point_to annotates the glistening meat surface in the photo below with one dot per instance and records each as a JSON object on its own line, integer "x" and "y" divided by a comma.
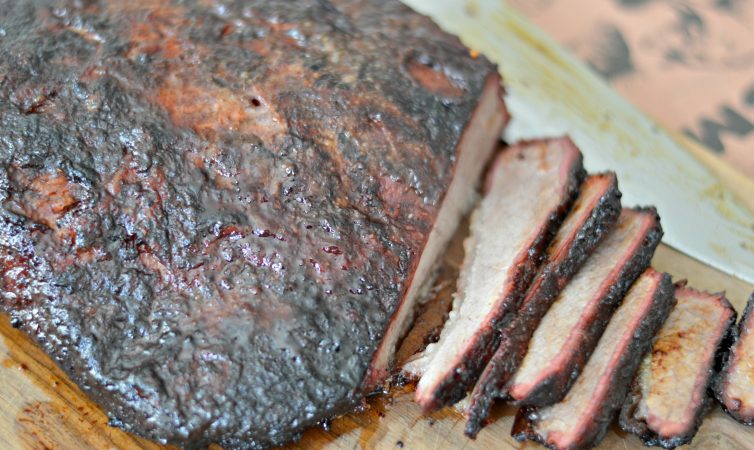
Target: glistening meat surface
{"x": 215, "y": 216}
{"x": 527, "y": 194}
{"x": 669, "y": 395}
{"x": 735, "y": 389}
{"x": 566, "y": 336}
{"x": 592, "y": 217}
{"x": 582, "y": 418}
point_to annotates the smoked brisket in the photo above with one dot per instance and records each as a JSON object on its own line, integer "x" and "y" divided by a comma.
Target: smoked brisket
{"x": 528, "y": 192}
{"x": 670, "y": 395}
{"x": 216, "y": 216}
{"x": 571, "y": 328}
{"x": 592, "y": 217}
{"x": 582, "y": 418}
{"x": 735, "y": 389}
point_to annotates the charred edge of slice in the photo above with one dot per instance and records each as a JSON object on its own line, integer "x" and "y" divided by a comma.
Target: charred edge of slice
{"x": 456, "y": 384}
{"x": 568, "y": 259}
{"x": 604, "y": 215}
{"x": 630, "y": 424}
{"x": 739, "y": 334}
{"x": 554, "y": 388}
{"x": 620, "y": 376}
{"x": 457, "y": 202}
{"x": 523, "y": 427}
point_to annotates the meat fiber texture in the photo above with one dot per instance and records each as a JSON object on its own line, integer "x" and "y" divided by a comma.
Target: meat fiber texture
{"x": 569, "y": 332}
{"x": 582, "y": 418}
{"x": 593, "y": 215}
{"x": 213, "y": 214}
{"x": 528, "y": 192}
{"x": 735, "y": 388}
{"x": 670, "y": 394}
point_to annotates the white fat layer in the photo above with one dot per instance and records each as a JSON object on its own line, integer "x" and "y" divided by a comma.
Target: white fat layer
{"x": 563, "y": 422}
{"x": 564, "y": 325}
{"x": 671, "y": 376}
{"x": 480, "y": 139}
{"x": 526, "y": 186}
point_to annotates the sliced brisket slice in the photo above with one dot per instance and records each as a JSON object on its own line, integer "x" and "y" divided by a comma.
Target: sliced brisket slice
{"x": 478, "y": 141}
{"x": 669, "y": 395}
{"x": 582, "y": 418}
{"x": 216, "y": 216}
{"x": 735, "y": 389}
{"x": 528, "y": 192}
{"x": 572, "y": 326}
{"x": 595, "y": 212}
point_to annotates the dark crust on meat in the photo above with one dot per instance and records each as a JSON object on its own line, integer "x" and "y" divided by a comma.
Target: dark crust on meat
{"x": 630, "y": 361}
{"x": 523, "y": 427}
{"x": 554, "y": 388}
{"x": 455, "y": 387}
{"x": 241, "y": 190}
{"x": 736, "y": 334}
{"x": 630, "y": 424}
{"x": 550, "y": 281}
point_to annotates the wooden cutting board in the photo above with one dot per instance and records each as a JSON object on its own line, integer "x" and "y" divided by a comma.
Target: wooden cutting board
{"x": 40, "y": 408}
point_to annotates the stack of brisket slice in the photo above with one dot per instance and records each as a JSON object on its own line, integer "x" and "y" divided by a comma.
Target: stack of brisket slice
{"x": 558, "y": 311}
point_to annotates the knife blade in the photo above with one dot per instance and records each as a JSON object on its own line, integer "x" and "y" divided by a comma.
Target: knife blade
{"x": 550, "y": 92}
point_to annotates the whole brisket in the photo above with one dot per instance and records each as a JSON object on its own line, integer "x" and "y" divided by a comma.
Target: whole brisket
{"x": 216, "y": 216}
